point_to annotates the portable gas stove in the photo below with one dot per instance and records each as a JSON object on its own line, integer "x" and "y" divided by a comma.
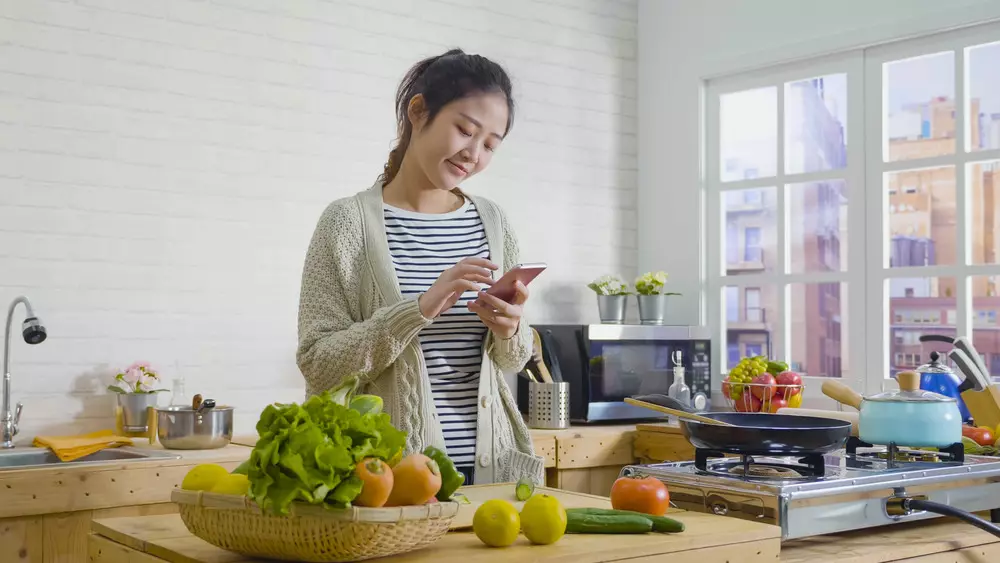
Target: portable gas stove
{"x": 858, "y": 487}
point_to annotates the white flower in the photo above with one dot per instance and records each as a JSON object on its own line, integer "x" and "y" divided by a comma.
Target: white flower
{"x": 146, "y": 383}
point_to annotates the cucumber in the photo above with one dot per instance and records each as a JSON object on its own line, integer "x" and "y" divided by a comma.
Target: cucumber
{"x": 577, "y": 523}
{"x": 660, "y": 523}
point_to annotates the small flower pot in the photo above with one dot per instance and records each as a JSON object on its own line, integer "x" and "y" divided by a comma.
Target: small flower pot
{"x": 652, "y": 309}
{"x": 612, "y": 308}
{"x": 134, "y": 410}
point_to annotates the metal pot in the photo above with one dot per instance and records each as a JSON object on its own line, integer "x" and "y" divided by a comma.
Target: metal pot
{"x": 908, "y": 417}
{"x": 188, "y": 428}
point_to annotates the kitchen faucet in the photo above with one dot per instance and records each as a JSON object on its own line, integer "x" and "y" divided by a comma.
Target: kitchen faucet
{"x": 33, "y": 333}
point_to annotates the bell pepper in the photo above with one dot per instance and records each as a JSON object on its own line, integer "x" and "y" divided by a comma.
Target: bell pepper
{"x": 451, "y": 478}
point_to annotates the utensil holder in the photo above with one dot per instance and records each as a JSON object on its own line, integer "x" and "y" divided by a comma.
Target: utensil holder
{"x": 548, "y": 405}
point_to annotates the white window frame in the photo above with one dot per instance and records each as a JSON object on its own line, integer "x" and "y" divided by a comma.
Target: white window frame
{"x": 716, "y": 280}
{"x": 867, "y": 274}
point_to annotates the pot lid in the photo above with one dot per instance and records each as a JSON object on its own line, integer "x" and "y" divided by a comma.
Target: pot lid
{"x": 909, "y": 392}
{"x": 935, "y": 365}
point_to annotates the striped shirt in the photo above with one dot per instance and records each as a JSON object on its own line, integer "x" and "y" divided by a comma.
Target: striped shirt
{"x": 422, "y": 246}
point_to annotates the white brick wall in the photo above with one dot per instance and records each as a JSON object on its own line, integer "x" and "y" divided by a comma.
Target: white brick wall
{"x": 162, "y": 166}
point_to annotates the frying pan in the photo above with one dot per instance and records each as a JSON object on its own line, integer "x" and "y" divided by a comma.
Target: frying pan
{"x": 759, "y": 433}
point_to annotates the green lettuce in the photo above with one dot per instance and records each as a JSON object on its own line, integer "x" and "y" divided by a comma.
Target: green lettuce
{"x": 308, "y": 452}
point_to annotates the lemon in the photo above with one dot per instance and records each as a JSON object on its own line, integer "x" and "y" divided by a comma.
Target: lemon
{"x": 203, "y": 477}
{"x": 543, "y": 519}
{"x": 795, "y": 401}
{"x": 232, "y": 484}
{"x": 496, "y": 523}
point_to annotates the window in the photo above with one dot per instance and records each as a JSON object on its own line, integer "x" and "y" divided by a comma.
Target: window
{"x": 732, "y": 305}
{"x": 870, "y": 180}
{"x": 753, "y": 350}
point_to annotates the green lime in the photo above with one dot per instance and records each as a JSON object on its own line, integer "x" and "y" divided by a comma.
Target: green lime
{"x": 525, "y": 488}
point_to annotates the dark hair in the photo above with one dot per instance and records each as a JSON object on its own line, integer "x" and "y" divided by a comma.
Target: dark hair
{"x": 442, "y": 80}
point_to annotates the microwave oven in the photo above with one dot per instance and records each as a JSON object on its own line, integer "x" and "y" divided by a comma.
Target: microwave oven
{"x": 604, "y": 364}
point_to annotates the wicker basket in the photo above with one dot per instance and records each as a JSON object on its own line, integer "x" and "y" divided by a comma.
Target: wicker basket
{"x": 311, "y": 533}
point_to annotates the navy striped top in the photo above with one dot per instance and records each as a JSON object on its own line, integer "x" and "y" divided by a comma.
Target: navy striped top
{"x": 422, "y": 246}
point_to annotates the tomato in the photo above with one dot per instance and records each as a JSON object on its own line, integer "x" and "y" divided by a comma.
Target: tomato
{"x": 763, "y": 387}
{"x": 416, "y": 478}
{"x": 776, "y": 404}
{"x": 982, "y": 436}
{"x": 376, "y": 482}
{"x": 647, "y": 495}
{"x": 748, "y": 403}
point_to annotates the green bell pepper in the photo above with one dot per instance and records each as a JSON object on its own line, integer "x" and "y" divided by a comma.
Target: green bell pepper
{"x": 451, "y": 478}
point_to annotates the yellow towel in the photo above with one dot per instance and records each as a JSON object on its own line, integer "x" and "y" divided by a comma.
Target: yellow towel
{"x": 69, "y": 448}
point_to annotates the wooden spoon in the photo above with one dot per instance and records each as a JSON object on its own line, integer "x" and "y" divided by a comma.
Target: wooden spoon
{"x": 675, "y": 412}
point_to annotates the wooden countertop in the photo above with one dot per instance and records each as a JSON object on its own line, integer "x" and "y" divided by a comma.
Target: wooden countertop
{"x": 69, "y": 488}
{"x": 707, "y": 539}
{"x": 165, "y": 539}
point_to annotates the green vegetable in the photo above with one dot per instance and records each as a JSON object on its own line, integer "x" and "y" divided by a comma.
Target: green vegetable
{"x": 971, "y": 446}
{"x": 242, "y": 468}
{"x": 365, "y": 404}
{"x": 577, "y": 523}
{"x": 524, "y": 489}
{"x": 308, "y": 452}
{"x": 660, "y": 523}
{"x": 451, "y": 478}
{"x": 774, "y": 368}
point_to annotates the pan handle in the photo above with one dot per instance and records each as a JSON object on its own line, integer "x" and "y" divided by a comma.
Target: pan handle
{"x": 842, "y": 394}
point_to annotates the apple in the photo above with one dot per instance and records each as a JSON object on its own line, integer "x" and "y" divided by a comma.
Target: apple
{"x": 748, "y": 403}
{"x": 789, "y": 378}
{"x": 777, "y": 403}
{"x": 763, "y": 386}
{"x": 727, "y": 387}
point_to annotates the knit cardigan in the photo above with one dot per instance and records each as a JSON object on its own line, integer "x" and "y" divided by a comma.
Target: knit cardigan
{"x": 353, "y": 320}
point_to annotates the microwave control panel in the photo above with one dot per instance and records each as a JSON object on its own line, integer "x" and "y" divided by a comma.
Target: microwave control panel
{"x": 699, "y": 376}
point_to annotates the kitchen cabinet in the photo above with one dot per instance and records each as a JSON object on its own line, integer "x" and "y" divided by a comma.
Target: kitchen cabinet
{"x": 45, "y": 513}
{"x": 659, "y": 443}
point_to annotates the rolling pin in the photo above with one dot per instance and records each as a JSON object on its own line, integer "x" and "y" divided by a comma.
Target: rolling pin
{"x": 852, "y": 417}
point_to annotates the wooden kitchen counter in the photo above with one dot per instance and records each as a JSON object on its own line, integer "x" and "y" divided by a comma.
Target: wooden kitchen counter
{"x": 707, "y": 539}
{"x": 45, "y": 512}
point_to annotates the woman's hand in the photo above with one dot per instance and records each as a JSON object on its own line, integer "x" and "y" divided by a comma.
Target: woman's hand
{"x": 499, "y": 316}
{"x": 467, "y": 275}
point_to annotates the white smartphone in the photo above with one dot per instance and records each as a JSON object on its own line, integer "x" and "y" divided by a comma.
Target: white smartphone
{"x": 524, "y": 273}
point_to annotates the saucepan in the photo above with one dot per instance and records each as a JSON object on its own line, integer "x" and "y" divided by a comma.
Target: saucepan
{"x": 201, "y": 426}
{"x": 907, "y": 417}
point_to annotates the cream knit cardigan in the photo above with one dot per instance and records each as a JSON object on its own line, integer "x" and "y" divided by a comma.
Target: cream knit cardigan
{"x": 354, "y": 320}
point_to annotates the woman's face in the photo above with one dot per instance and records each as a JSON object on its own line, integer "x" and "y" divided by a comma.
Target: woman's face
{"x": 461, "y": 139}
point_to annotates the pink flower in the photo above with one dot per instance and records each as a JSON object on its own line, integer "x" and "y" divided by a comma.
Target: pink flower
{"x": 146, "y": 383}
{"x": 132, "y": 376}
{"x": 137, "y": 365}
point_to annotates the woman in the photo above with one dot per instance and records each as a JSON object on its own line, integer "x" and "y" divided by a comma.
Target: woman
{"x": 392, "y": 279}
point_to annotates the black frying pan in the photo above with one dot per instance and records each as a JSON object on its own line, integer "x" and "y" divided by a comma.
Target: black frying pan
{"x": 758, "y": 433}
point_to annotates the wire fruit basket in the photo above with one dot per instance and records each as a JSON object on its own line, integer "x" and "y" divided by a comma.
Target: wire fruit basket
{"x": 762, "y": 397}
{"x": 311, "y": 533}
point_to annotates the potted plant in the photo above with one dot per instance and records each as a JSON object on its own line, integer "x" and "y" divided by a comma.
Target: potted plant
{"x": 136, "y": 387}
{"x": 652, "y": 298}
{"x": 612, "y": 298}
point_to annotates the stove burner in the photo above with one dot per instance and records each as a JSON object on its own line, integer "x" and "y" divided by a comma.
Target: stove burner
{"x": 765, "y": 471}
{"x": 952, "y": 453}
{"x": 811, "y": 466}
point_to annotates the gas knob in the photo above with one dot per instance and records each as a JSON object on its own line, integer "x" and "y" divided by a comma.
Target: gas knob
{"x": 720, "y": 509}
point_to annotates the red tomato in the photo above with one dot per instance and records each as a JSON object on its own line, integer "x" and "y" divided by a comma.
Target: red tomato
{"x": 792, "y": 379}
{"x": 647, "y": 495}
{"x": 727, "y": 388}
{"x": 982, "y": 436}
{"x": 777, "y": 403}
{"x": 748, "y": 403}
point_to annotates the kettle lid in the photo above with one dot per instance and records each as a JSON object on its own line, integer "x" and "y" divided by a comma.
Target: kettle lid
{"x": 935, "y": 365}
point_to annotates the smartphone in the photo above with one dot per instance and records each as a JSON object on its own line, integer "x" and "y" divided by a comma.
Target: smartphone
{"x": 524, "y": 273}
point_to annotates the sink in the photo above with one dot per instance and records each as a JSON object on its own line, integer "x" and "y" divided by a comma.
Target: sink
{"x": 20, "y": 458}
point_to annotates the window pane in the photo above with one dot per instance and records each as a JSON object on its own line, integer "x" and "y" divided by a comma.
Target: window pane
{"x": 984, "y": 192}
{"x": 985, "y": 330}
{"x": 920, "y": 107}
{"x": 917, "y": 307}
{"x": 818, "y": 318}
{"x": 817, "y": 226}
{"x": 756, "y": 326}
{"x": 749, "y": 216}
{"x": 984, "y": 97}
{"x": 748, "y": 134}
{"x": 922, "y": 225}
{"x": 816, "y": 124}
